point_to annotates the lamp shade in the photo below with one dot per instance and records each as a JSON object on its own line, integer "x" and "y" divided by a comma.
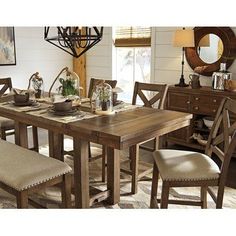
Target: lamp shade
{"x": 184, "y": 38}
{"x": 205, "y": 41}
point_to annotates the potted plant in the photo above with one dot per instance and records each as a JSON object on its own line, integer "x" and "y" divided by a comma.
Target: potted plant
{"x": 104, "y": 97}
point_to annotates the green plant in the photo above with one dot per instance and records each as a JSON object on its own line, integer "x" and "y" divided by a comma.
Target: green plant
{"x": 68, "y": 87}
{"x": 104, "y": 94}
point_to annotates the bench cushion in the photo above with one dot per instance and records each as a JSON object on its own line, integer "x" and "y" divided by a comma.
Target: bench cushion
{"x": 176, "y": 165}
{"x": 21, "y": 168}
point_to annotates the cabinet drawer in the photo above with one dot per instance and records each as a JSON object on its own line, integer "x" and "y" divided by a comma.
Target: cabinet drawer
{"x": 178, "y": 102}
{"x": 206, "y": 105}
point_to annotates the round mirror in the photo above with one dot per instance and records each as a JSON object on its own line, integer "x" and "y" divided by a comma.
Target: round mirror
{"x": 221, "y": 49}
{"x": 210, "y": 48}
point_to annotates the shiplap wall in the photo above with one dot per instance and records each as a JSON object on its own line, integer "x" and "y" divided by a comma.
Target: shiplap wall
{"x": 99, "y": 58}
{"x": 33, "y": 54}
{"x": 166, "y": 59}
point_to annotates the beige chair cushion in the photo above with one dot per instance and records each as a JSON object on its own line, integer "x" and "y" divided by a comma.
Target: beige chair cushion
{"x": 185, "y": 165}
{"x": 4, "y": 122}
{"x": 21, "y": 168}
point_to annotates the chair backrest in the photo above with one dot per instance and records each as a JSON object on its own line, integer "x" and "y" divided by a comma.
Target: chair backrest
{"x": 222, "y": 137}
{"x": 5, "y": 83}
{"x": 160, "y": 96}
{"x": 94, "y": 82}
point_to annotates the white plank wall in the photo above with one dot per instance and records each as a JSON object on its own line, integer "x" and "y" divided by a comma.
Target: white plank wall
{"x": 33, "y": 54}
{"x": 166, "y": 59}
{"x": 99, "y": 58}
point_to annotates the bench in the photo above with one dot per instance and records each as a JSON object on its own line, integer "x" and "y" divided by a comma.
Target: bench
{"x": 23, "y": 172}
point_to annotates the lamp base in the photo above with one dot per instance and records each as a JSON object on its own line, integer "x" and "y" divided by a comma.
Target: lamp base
{"x": 181, "y": 83}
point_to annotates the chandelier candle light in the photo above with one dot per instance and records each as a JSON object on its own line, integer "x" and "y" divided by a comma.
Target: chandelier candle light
{"x": 183, "y": 38}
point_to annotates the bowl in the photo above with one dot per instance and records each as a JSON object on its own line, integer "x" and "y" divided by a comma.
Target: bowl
{"x": 208, "y": 121}
{"x": 63, "y": 106}
{"x": 21, "y": 98}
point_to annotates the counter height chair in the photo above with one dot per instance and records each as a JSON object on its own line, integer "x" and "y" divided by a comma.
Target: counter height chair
{"x": 7, "y": 125}
{"x": 158, "y": 94}
{"x": 93, "y": 83}
{"x": 192, "y": 169}
{"x": 103, "y": 155}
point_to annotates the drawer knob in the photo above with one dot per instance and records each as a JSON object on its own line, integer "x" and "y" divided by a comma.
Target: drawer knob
{"x": 214, "y": 110}
{"x": 188, "y": 102}
{"x": 196, "y": 108}
{"x": 196, "y": 99}
{"x": 214, "y": 100}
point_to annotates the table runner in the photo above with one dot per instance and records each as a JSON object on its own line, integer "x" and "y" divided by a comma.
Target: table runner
{"x": 41, "y": 110}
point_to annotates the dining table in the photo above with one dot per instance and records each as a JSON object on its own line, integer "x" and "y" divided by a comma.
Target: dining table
{"x": 126, "y": 128}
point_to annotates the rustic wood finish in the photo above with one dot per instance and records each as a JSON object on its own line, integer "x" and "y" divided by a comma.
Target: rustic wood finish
{"x": 228, "y": 38}
{"x": 200, "y": 102}
{"x": 117, "y": 132}
{"x": 221, "y": 126}
{"x": 79, "y": 67}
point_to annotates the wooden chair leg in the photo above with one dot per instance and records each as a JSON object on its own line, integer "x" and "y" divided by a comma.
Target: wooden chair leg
{"x": 3, "y": 134}
{"x": 165, "y": 195}
{"x": 89, "y": 150}
{"x": 104, "y": 163}
{"x": 220, "y": 196}
{"x": 22, "y": 199}
{"x": 204, "y": 197}
{"x": 66, "y": 191}
{"x": 153, "y": 201}
{"x": 35, "y": 138}
{"x": 156, "y": 144}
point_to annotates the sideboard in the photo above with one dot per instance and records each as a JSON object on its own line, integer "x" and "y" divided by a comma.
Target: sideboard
{"x": 202, "y": 102}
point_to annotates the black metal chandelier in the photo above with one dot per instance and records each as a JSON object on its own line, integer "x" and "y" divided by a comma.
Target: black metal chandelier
{"x": 70, "y": 39}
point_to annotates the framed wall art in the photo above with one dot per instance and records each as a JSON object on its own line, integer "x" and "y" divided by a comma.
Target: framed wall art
{"x": 7, "y": 46}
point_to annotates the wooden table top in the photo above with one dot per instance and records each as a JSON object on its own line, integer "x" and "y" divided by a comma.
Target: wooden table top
{"x": 119, "y": 130}
{"x": 125, "y": 128}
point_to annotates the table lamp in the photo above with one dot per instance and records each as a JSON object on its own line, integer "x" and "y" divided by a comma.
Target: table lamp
{"x": 183, "y": 38}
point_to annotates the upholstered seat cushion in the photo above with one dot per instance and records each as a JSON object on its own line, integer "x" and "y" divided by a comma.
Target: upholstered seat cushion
{"x": 21, "y": 168}
{"x": 185, "y": 165}
{"x": 4, "y": 122}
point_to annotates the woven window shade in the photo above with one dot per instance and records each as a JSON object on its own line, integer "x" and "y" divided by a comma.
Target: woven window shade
{"x": 133, "y": 37}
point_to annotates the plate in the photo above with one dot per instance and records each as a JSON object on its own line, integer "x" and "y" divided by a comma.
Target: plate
{"x": 21, "y": 104}
{"x": 73, "y": 111}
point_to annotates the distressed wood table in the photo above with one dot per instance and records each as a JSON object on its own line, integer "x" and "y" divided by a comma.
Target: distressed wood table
{"x": 125, "y": 129}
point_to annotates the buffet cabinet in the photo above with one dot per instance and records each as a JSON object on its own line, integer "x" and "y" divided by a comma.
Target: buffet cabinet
{"x": 203, "y": 104}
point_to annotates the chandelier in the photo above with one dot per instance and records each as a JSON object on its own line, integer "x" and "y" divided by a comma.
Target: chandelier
{"x": 70, "y": 39}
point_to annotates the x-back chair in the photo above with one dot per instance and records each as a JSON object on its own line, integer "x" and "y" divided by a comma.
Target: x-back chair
{"x": 190, "y": 169}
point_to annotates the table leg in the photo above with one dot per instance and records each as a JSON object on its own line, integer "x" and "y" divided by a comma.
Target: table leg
{"x": 134, "y": 156}
{"x": 21, "y": 134}
{"x": 56, "y": 147}
{"x": 113, "y": 174}
{"x": 81, "y": 173}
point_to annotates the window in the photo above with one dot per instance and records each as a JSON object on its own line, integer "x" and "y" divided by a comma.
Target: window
{"x": 133, "y": 58}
